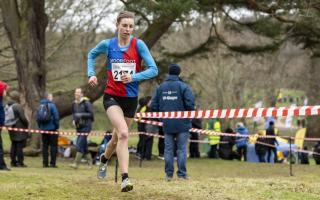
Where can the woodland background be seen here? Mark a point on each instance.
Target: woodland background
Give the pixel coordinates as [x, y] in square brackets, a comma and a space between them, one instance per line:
[232, 53]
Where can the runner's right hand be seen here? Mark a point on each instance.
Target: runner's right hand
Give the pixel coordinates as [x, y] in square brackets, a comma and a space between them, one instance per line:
[93, 81]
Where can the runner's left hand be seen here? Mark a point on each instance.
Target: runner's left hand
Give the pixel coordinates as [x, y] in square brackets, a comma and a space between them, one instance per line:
[126, 78]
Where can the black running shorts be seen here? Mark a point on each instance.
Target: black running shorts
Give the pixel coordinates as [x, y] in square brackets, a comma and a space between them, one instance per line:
[127, 104]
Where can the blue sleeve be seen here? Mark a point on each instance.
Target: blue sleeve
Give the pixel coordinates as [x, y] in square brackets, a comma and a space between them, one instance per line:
[101, 48]
[145, 54]
[188, 98]
[56, 116]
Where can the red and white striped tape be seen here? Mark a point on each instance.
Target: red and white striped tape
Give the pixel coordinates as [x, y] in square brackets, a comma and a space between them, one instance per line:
[68, 133]
[211, 132]
[295, 150]
[236, 113]
[196, 130]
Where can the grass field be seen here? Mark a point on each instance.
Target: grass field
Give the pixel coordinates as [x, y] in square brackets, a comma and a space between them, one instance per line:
[210, 179]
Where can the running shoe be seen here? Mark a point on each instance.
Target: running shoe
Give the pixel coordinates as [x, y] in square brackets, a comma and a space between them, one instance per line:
[126, 185]
[102, 170]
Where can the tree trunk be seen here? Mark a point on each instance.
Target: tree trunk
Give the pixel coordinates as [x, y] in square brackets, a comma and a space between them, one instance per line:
[25, 26]
[313, 126]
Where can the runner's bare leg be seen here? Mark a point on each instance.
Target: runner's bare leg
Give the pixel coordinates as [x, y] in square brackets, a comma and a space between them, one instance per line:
[119, 122]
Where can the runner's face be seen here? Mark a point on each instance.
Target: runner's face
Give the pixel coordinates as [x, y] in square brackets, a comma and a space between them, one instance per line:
[125, 28]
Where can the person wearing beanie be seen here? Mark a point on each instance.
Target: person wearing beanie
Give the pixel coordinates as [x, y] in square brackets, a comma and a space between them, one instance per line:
[174, 95]
[174, 69]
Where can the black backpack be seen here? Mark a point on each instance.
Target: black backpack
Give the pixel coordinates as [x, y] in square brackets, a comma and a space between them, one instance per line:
[44, 113]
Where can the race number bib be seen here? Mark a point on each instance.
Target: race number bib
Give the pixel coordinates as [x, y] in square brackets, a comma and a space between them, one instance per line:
[120, 68]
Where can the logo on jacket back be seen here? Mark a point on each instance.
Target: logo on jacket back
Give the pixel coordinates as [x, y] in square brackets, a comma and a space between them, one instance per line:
[169, 98]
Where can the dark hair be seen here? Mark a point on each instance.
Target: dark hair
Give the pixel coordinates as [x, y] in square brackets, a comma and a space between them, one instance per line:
[144, 101]
[229, 130]
[125, 14]
[271, 123]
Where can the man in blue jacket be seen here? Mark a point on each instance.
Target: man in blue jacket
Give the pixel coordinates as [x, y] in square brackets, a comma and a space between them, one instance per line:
[174, 95]
[47, 107]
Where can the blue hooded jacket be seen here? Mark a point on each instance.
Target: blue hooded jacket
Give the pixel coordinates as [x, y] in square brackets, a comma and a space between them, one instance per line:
[173, 95]
[53, 124]
[242, 141]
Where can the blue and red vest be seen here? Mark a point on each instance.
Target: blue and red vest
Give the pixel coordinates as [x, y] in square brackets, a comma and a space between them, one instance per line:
[116, 55]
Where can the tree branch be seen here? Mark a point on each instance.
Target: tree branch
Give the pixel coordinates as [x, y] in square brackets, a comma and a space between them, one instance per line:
[248, 49]
[201, 48]
[269, 10]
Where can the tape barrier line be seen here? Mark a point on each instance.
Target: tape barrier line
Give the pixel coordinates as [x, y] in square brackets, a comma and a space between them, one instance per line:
[210, 132]
[236, 113]
[97, 133]
[295, 150]
[161, 136]
[201, 131]
[67, 133]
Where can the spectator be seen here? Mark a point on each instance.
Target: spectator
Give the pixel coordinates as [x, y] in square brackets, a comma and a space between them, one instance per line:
[174, 95]
[161, 143]
[272, 141]
[103, 145]
[242, 142]
[267, 123]
[304, 156]
[48, 120]
[147, 140]
[142, 126]
[3, 89]
[18, 138]
[194, 146]
[261, 147]
[226, 145]
[82, 112]
[214, 125]
[316, 154]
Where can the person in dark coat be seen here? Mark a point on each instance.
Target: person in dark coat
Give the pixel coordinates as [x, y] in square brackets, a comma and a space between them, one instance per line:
[18, 138]
[174, 95]
[82, 112]
[142, 126]
[316, 155]
[3, 89]
[147, 142]
[194, 146]
[304, 156]
[49, 140]
[272, 141]
[226, 146]
[261, 148]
